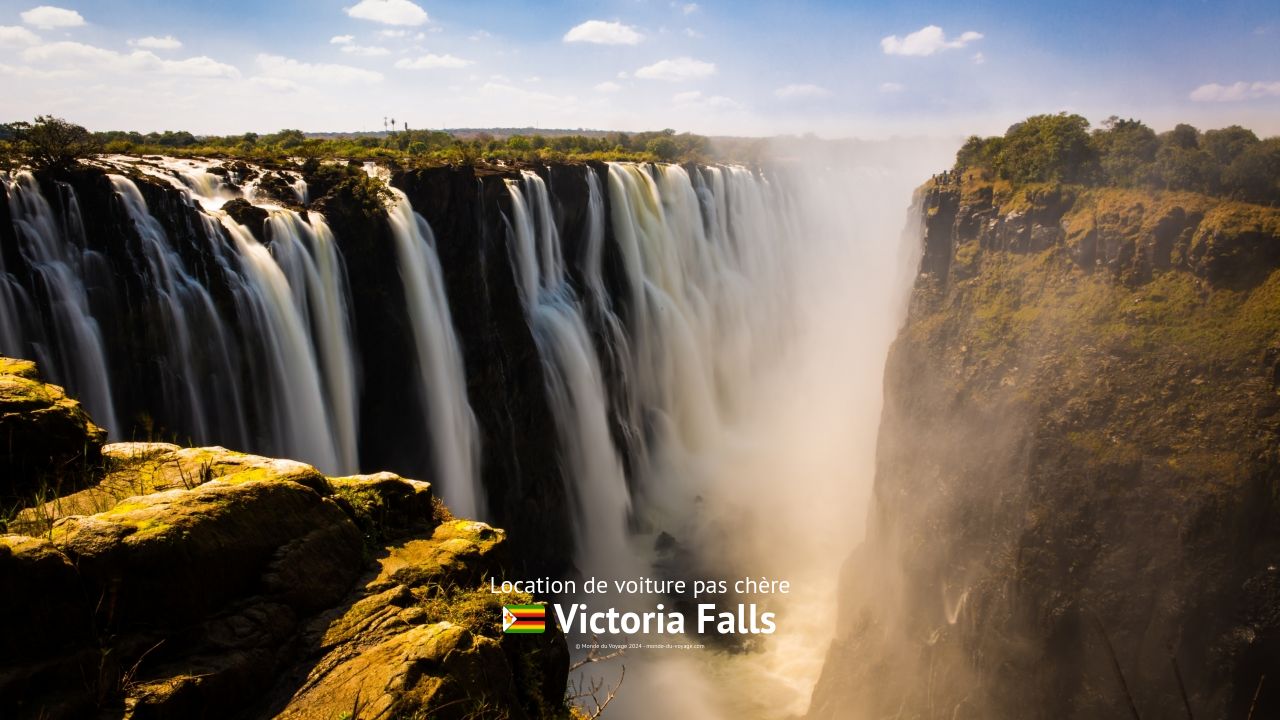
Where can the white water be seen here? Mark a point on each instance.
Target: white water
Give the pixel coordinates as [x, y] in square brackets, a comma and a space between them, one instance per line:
[301, 422]
[575, 385]
[442, 383]
[758, 309]
[308, 256]
[298, 295]
[188, 317]
[55, 251]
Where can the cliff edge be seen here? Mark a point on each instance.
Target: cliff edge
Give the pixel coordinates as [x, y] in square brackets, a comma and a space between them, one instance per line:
[202, 582]
[1075, 511]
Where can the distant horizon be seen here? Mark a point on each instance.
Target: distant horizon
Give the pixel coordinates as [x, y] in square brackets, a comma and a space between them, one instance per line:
[747, 70]
[508, 130]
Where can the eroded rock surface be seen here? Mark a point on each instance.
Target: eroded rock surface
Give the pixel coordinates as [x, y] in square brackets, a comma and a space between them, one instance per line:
[203, 582]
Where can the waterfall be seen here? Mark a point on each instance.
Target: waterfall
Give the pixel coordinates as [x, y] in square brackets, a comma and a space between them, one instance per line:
[575, 385]
[441, 383]
[662, 243]
[309, 258]
[194, 380]
[296, 297]
[300, 419]
[57, 255]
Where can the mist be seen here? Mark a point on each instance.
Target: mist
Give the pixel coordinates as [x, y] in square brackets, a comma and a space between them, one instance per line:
[777, 484]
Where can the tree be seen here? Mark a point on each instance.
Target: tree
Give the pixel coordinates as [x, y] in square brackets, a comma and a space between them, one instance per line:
[1225, 145]
[1181, 136]
[1182, 168]
[664, 148]
[978, 152]
[1045, 148]
[1126, 149]
[54, 143]
[1254, 175]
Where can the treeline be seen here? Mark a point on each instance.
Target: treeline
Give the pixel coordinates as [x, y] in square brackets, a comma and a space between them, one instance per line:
[1231, 161]
[22, 140]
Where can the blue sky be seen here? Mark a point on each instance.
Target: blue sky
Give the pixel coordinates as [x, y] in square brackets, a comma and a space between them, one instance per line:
[834, 68]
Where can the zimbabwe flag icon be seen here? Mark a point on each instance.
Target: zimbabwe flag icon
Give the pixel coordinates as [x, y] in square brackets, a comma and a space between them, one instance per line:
[524, 618]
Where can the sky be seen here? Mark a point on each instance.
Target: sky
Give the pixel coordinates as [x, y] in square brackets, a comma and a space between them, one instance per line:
[837, 69]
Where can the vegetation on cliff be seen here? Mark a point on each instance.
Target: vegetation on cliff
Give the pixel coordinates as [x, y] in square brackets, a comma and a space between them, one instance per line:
[1231, 162]
[50, 141]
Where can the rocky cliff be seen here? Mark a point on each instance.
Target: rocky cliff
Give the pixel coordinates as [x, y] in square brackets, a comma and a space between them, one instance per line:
[170, 582]
[1076, 511]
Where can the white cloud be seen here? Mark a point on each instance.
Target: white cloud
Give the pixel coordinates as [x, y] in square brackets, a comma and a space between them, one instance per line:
[926, 41]
[78, 56]
[690, 32]
[341, 39]
[280, 67]
[715, 102]
[689, 8]
[677, 70]
[603, 32]
[431, 61]
[275, 83]
[47, 17]
[891, 88]
[393, 33]
[806, 90]
[521, 96]
[979, 59]
[607, 86]
[69, 54]
[479, 35]
[199, 66]
[168, 42]
[365, 50]
[1236, 92]
[14, 35]
[389, 12]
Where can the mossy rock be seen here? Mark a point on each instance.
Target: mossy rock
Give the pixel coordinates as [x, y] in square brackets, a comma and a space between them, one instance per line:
[179, 555]
[385, 505]
[459, 552]
[135, 469]
[48, 443]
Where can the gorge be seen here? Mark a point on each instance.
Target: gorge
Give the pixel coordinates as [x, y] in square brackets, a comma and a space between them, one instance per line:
[670, 372]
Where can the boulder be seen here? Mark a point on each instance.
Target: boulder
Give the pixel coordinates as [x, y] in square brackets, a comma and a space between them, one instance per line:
[422, 635]
[252, 217]
[47, 441]
[203, 582]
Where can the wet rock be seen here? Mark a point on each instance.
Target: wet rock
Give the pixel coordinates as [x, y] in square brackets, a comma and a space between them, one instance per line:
[252, 217]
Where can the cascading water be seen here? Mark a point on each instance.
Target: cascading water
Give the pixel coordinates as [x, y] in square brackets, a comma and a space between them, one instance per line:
[441, 381]
[56, 253]
[291, 317]
[753, 317]
[297, 297]
[309, 258]
[575, 385]
[300, 421]
[195, 380]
